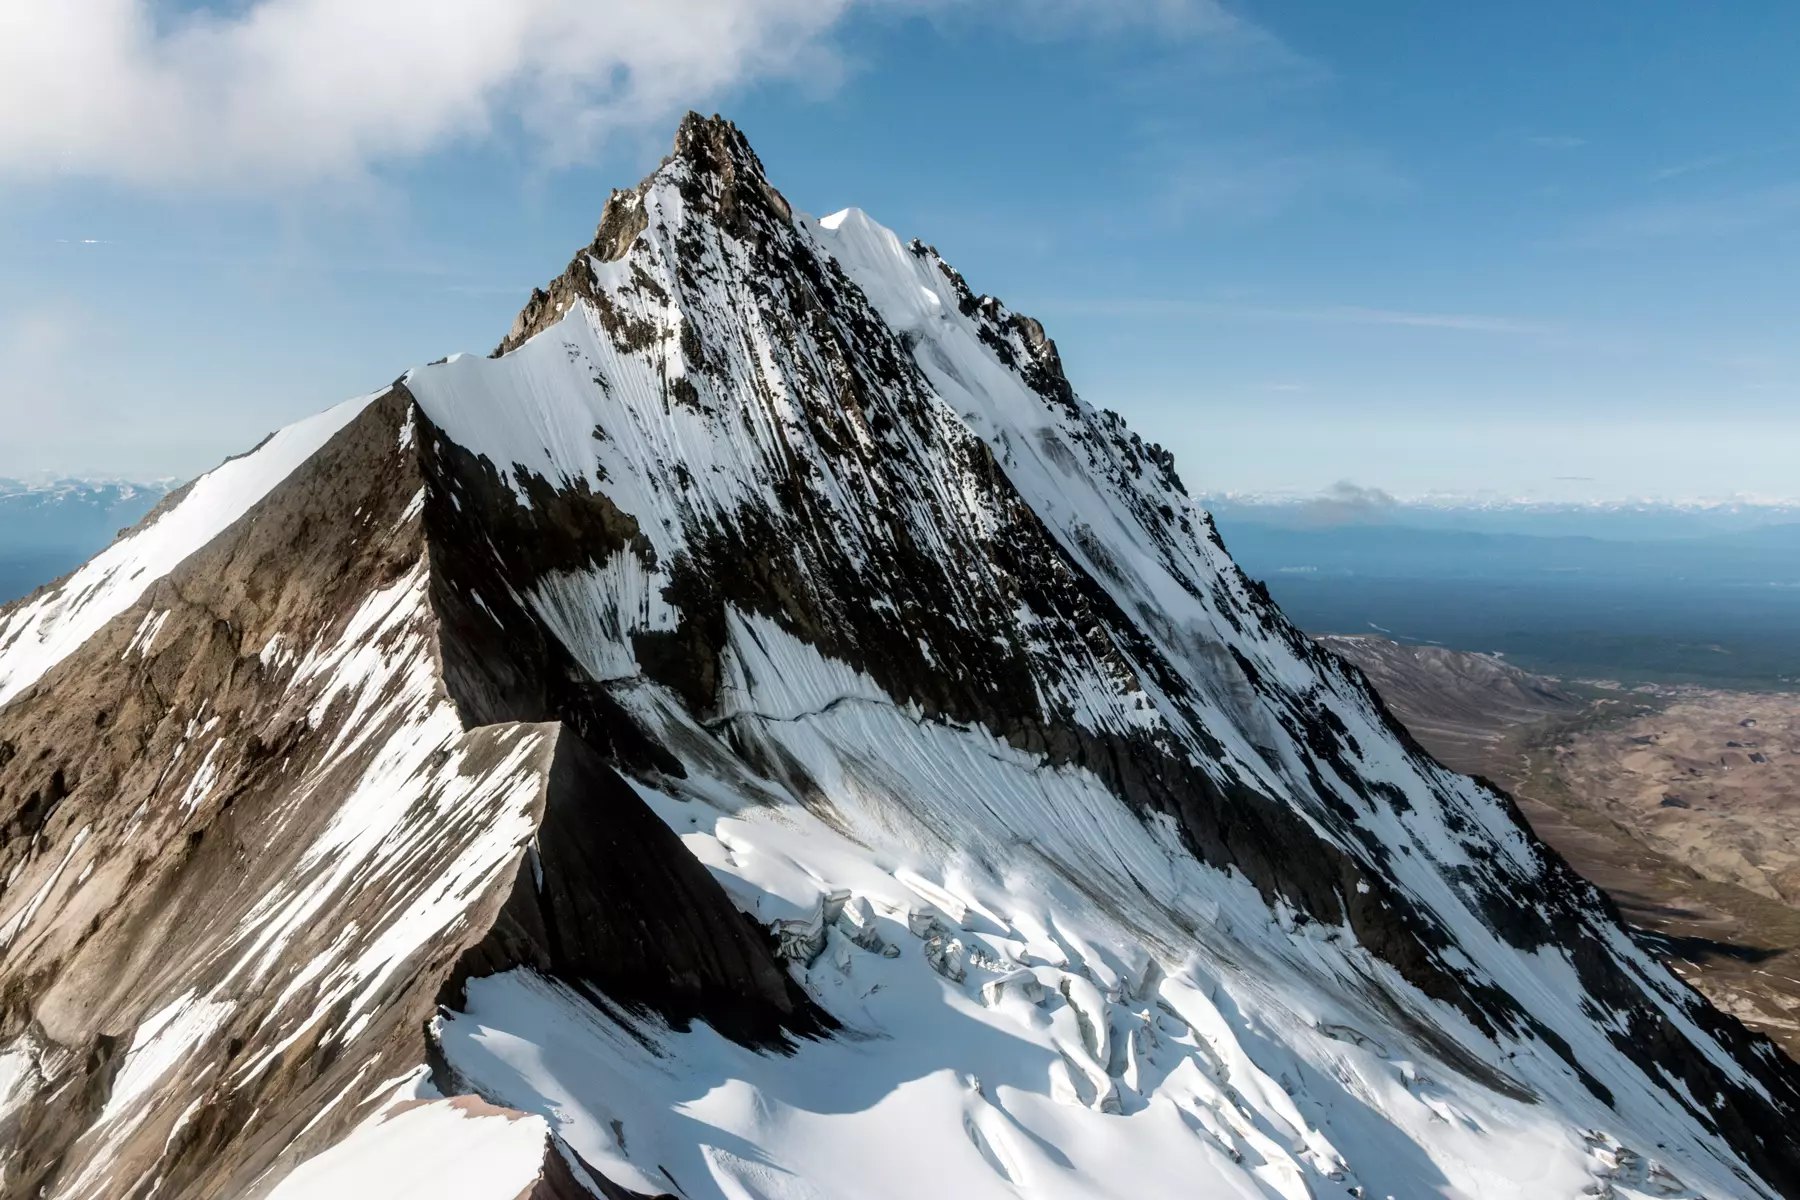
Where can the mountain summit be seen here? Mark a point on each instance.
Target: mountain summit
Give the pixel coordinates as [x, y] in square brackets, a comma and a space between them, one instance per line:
[761, 735]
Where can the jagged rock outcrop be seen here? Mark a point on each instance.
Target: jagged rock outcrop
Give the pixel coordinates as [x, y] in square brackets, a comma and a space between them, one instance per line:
[765, 727]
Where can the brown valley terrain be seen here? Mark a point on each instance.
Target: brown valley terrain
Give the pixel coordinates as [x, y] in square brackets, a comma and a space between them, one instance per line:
[1683, 804]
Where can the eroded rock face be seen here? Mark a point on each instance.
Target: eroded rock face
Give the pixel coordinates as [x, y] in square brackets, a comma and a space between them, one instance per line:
[257, 833]
[199, 796]
[769, 631]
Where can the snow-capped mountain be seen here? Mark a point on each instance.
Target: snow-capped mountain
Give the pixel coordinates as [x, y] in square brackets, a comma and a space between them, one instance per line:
[760, 734]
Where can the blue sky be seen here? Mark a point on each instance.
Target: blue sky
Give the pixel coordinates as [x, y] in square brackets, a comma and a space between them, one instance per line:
[1530, 250]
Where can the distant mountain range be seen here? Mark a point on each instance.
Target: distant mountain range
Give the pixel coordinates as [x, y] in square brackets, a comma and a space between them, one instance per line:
[1617, 520]
[48, 529]
[1763, 556]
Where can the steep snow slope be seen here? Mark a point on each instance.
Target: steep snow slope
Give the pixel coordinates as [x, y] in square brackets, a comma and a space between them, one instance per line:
[779, 742]
[458, 1149]
[40, 632]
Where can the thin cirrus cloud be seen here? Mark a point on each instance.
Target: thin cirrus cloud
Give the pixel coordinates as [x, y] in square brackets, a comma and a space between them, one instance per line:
[1721, 214]
[1465, 322]
[1343, 314]
[1249, 183]
[276, 92]
[1712, 162]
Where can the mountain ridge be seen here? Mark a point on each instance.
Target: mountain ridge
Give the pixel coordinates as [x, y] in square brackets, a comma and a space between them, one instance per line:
[771, 603]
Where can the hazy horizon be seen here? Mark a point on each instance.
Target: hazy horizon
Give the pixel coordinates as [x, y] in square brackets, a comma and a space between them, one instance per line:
[1359, 502]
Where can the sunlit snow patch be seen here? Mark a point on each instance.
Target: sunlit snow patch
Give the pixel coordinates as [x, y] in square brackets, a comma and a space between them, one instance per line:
[458, 1149]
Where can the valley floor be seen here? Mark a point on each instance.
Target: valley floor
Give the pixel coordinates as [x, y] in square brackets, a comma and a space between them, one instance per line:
[1683, 804]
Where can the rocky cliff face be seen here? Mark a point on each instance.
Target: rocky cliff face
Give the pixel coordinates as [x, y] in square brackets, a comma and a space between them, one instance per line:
[765, 733]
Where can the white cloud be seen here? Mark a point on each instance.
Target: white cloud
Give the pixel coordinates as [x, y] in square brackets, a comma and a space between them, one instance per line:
[274, 92]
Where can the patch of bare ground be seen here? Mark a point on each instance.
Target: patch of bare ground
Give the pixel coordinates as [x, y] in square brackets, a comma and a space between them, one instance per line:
[1697, 841]
[1683, 804]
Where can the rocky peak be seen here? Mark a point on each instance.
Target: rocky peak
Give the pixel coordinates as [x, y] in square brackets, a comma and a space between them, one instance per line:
[713, 146]
[715, 172]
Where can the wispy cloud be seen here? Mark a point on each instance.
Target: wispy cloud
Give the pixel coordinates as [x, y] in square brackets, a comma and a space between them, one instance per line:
[1711, 162]
[1248, 182]
[1184, 18]
[1556, 141]
[1347, 503]
[1721, 214]
[1342, 314]
[1663, 174]
[267, 93]
[1464, 322]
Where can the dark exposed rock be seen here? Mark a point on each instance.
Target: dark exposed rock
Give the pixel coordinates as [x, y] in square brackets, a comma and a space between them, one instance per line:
[611, 900]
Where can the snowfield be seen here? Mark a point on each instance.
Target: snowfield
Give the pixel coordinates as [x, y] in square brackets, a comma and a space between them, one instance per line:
[1077, 1009]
